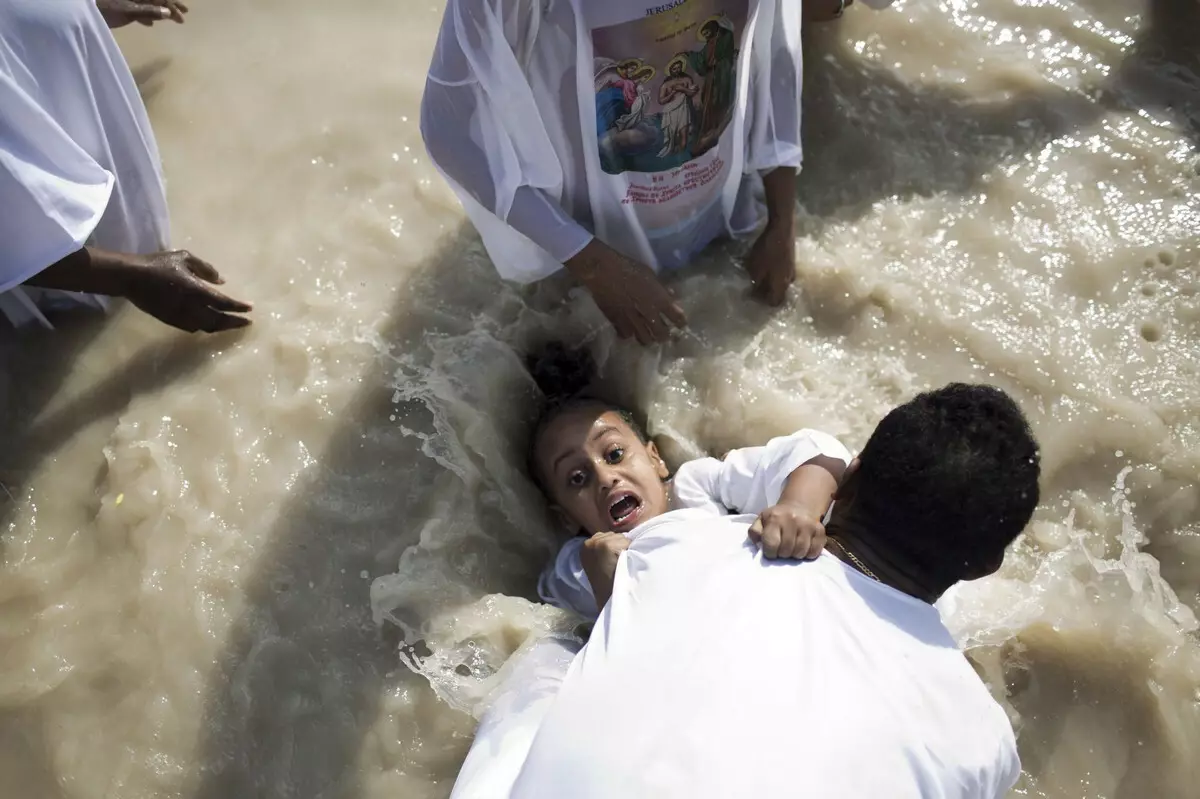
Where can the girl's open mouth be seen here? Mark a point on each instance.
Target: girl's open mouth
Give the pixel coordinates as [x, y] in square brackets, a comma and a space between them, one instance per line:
[624, 508]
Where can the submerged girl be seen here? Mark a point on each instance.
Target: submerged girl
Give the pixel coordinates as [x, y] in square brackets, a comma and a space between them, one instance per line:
[604, 478]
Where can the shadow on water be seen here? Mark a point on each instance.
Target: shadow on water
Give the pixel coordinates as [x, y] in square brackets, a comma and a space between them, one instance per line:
[34, 364]
[1162, 71]
[305, 669]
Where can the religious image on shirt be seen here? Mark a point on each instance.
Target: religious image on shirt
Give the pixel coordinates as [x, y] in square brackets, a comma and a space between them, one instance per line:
[666, 84]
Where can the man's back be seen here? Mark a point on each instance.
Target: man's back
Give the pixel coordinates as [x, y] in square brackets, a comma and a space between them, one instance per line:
[712, 673]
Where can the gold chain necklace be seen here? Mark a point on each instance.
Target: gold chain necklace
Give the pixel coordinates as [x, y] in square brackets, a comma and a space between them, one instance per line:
[857, 563]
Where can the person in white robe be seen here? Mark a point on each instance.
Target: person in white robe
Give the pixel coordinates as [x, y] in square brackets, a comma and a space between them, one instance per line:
[558, 165]
[712, 672]
[84, 211]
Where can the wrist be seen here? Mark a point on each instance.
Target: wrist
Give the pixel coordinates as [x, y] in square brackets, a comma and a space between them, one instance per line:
[592, 260]
[801, 507]
[112, 273]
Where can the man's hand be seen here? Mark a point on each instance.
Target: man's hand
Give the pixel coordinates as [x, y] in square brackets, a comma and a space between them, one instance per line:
[119, 13]
[174, 287]
[772, 263]
[788, 530]
[599, 558]
[628, 293]
[824, 10]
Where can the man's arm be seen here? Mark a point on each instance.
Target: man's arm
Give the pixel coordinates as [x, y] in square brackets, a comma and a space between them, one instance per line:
[87, 270]
[174, 287]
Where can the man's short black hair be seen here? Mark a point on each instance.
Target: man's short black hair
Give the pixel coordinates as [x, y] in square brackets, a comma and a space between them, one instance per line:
[949, 479]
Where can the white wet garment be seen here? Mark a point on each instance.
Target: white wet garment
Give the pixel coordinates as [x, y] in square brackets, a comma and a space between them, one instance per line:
[78, 161]
[714, 673]
[645, 123]
[742, 482]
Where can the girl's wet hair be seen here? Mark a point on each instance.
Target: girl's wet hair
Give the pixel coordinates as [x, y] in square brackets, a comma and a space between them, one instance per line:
[564, 377]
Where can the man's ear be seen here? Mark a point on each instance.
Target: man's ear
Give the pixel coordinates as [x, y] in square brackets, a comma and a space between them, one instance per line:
[660, 465]
[849, 483]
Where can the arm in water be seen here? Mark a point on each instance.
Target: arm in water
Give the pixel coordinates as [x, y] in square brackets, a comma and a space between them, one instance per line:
[173, 287]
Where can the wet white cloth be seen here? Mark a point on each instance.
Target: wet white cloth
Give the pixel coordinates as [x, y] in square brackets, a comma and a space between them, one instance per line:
[747, 480]
[714, 673]
[78, 161]
[546, 116]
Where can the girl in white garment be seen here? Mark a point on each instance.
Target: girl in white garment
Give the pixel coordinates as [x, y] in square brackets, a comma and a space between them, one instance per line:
[603, 477]
[707, 661]
[562, 160]
[84, 209]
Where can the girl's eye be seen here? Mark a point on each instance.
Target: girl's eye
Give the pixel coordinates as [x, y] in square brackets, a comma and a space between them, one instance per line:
[615, 455]
[576, 479]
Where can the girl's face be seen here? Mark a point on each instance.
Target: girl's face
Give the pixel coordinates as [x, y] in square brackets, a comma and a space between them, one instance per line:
[600, 475]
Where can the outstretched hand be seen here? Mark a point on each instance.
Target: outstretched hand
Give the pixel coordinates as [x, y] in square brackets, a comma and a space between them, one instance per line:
[119, 13]
[628, 293]
[176, 288]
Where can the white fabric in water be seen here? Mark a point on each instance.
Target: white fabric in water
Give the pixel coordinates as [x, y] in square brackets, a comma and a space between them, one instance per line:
[714, 673]
[78, 161]
[549, 125]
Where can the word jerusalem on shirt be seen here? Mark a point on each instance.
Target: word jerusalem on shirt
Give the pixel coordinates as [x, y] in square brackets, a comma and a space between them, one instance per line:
[650, 12]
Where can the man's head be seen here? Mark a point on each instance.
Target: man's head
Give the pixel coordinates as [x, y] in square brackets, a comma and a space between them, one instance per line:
[945, 483]
[597, 467]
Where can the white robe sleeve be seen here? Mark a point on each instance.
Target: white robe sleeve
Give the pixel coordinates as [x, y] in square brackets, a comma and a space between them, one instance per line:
[776, 83]
[751, 480]
[52, 193]
[483, 130]
[565, 585]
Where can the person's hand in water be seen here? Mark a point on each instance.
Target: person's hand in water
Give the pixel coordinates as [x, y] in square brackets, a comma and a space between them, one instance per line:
[788, 530]
[119, 13]
[824, 10]
[176, 288]
[599, 558]
[628, 293]
[772, 264]
[772, 260]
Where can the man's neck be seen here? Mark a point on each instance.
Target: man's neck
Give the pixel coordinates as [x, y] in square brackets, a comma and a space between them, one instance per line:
[852, 545]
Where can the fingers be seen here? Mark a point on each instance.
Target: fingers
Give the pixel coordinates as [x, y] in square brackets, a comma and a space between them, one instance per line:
[674, 312]
[220, 302]
[145, 13]
[213, 298]
[212, 321]
[779, 285]
[178, 9]
[201, 269]
[756, 531]
[771, 539]
[816, 545]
